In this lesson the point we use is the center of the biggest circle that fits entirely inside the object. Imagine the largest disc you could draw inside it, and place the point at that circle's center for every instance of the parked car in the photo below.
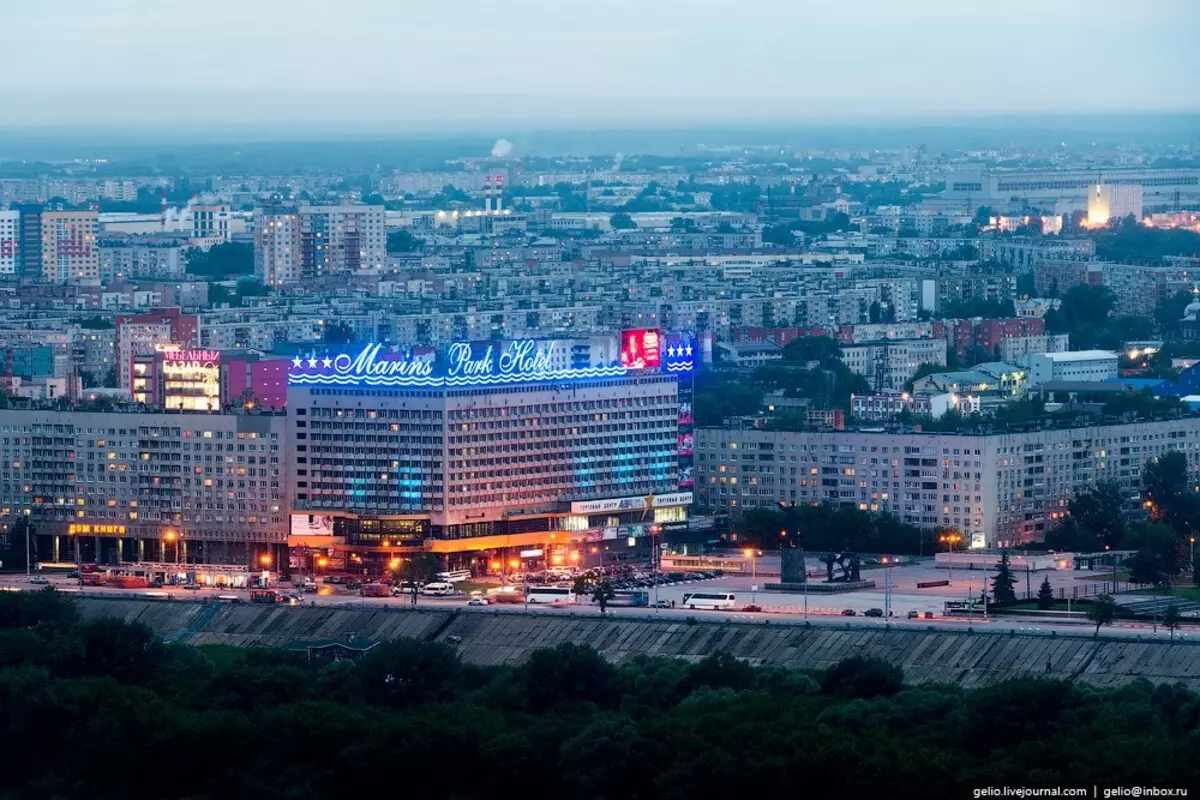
(873, 612)
(477, 601)
(752, 609)
(662, 603)
(849, 612)
(928, 615)
(914, 614)
(191, 587)
(38, 579)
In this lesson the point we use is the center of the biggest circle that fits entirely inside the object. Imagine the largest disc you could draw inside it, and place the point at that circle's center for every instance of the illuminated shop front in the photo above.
(191, 380)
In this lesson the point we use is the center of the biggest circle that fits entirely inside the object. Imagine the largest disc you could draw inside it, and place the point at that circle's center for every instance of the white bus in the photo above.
(558, 595)
(454, 576)
(713, 601)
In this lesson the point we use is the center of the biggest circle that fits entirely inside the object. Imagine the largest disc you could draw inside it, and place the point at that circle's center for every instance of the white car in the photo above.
(477, 601)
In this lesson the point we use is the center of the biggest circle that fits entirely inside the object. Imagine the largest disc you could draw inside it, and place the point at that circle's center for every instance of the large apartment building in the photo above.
(999, 489)
(311, 242)
(108, 487)
(10, 244)
(68, 247)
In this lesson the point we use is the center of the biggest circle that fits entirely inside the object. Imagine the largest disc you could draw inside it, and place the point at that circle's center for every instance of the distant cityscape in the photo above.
(509, 358)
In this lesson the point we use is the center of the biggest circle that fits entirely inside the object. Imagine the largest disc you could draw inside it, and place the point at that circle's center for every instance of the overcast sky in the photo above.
(342, 62)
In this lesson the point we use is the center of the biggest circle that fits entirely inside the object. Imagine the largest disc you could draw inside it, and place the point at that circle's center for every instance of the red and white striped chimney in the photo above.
(499, 192)
(487, 194)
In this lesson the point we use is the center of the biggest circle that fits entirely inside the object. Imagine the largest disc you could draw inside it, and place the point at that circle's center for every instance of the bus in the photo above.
(636, 598)
(703, 564)
(264, 596)
(713, 601)
(454, 576)
(556, 595)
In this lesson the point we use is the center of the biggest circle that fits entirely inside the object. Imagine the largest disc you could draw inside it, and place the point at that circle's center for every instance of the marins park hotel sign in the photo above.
(465, 365)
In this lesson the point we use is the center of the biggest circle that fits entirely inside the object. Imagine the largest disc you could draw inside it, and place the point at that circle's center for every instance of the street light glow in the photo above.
(265, 559)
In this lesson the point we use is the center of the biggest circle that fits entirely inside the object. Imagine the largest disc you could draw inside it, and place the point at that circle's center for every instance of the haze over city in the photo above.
(668, 62)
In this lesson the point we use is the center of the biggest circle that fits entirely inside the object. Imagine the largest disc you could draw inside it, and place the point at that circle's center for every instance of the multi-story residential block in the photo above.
(1113, 201)
(1017, 349)
(313, 242)
(999, 489)
(891, 364)
(68, 247)
(210, 224)
(343, 239)
(141, 257)
(129, 487)
(144, 335)
(277, 245)
(10, 244)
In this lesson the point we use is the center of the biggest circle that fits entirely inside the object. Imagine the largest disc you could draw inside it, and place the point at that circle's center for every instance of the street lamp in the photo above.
(171, 536)
(749, 553)
(887, 587)
(950, 539)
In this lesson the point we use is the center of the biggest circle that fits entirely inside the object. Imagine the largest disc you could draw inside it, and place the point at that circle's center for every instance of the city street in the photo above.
(778, 607)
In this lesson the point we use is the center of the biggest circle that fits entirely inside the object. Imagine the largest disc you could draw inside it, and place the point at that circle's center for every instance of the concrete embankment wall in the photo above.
(486, 637)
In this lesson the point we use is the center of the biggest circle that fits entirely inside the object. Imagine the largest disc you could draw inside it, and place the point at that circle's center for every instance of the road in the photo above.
(778, 608)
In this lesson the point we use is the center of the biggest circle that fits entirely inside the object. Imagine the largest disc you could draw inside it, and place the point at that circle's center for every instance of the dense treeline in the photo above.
(102, 709)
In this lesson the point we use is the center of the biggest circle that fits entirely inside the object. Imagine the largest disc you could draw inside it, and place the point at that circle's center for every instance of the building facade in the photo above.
(68, 247)
(1074, 365)
(999, 489)
(119, 487)
(499, 453)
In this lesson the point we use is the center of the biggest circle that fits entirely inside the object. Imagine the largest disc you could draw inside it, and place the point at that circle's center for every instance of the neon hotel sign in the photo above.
(465, 365)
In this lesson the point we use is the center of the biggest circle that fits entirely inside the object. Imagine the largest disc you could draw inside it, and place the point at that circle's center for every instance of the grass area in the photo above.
(1102, 575)
(1182, 592)
(1059, 605)
(222, 656)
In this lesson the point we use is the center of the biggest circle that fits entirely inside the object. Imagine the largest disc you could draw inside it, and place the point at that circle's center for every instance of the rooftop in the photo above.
(1081, 355)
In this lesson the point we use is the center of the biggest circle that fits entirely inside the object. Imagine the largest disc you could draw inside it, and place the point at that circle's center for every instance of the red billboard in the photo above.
(641, 349)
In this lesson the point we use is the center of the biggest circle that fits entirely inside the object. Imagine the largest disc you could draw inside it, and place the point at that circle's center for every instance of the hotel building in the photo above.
(495, 449)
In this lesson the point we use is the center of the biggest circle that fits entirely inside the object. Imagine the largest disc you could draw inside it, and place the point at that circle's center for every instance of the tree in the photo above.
(222, 261)
(1045, 595)
(1003, 582)
(1172, 619)
(983, 215)
(1102, 611)
(602, 594)
(338, 332)
(822, 349)
(1164, 481)
(778, 235)
(1148, 567)
(621, 221)
(403, 241)
(923, 371)
(683, 225)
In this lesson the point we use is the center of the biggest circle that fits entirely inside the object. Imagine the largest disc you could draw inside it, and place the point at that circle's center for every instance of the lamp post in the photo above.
(749, 553)
(1112, 558)
(887, 587)
(950, 539)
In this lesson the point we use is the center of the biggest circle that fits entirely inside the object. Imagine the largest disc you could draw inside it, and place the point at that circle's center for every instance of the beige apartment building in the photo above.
(69, 253)
(1000, 489)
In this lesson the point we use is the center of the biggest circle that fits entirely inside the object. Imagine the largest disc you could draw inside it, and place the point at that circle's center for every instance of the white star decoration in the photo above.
(688, 350)
(312, 363)
(327, 362)
(296, 361)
